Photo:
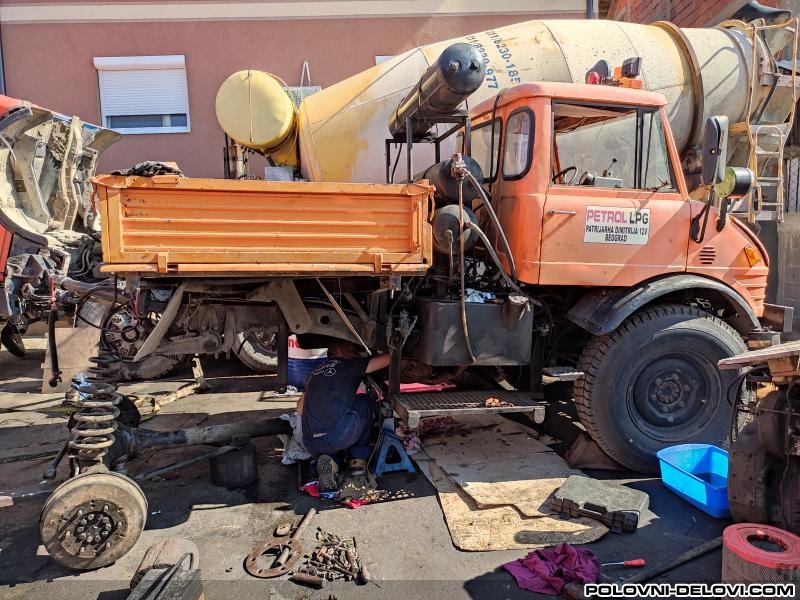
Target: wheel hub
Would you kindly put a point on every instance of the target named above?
(92, 528)
(670, 399)
(126, 333)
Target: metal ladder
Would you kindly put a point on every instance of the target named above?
(766, 141)
(765, 206)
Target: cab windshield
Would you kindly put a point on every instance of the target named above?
(610, 146)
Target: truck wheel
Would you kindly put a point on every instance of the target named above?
(653, 383)
(256, 354)
(790, 501)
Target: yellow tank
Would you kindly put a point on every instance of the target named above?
(254, 109)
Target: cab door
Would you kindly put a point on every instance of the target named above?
(517, 190)
(597, 235)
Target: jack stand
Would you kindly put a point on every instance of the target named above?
(386, 442)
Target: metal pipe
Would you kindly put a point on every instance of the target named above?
(103, 291)
(283, 354)
(461, 258)
(2, 67)
(340, 311)
(142, 439)
(184, 463)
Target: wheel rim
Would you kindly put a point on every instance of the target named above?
(673, 397)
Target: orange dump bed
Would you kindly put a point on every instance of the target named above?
(169, 224)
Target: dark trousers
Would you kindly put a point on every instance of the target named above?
(352, 431)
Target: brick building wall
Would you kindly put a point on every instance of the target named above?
(686, 13)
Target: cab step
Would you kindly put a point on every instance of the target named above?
(414, 406)
(554, 374)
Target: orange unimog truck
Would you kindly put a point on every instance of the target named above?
(561, 244)
(585, 265)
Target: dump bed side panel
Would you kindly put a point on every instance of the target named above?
(172, 224)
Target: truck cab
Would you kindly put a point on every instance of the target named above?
(588, 186)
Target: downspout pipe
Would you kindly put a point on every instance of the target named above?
(2, 64)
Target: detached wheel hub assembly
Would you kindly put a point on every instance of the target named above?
(92, 520)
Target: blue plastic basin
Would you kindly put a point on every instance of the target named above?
(300, 370)
(698, 473)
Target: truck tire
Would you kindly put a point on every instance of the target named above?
(754, 479)
(653, 383)
(790, 492)
(255, 355)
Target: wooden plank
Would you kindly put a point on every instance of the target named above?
(762, 355)
(502, 528)
(75, 346)
(499, 463)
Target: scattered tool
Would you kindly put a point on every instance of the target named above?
(289, 552)
(308, 579)
(335, 558)
(575, 591)
(628, 564)
(675, 562)
(183, 463)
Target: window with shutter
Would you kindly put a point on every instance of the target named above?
(143, 94)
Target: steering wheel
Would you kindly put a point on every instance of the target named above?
(563, 172)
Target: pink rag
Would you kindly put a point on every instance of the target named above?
(547, 571)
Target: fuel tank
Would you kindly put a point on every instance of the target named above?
(701, 72)
(255, 111)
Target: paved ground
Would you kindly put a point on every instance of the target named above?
(405, 542)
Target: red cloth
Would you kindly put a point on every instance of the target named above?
(312, 490)
(547, 571)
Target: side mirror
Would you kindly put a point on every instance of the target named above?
(715, 150)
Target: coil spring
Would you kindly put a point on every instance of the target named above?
(96, 418)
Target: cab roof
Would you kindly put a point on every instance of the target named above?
(573, 91)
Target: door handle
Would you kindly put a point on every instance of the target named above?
(554, 211)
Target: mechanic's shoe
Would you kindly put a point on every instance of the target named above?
(327, 469)
(357, 467)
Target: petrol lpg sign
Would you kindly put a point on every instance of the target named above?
(615, 225)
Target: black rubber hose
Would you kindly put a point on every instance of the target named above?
(55, 379)
(511, 263)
